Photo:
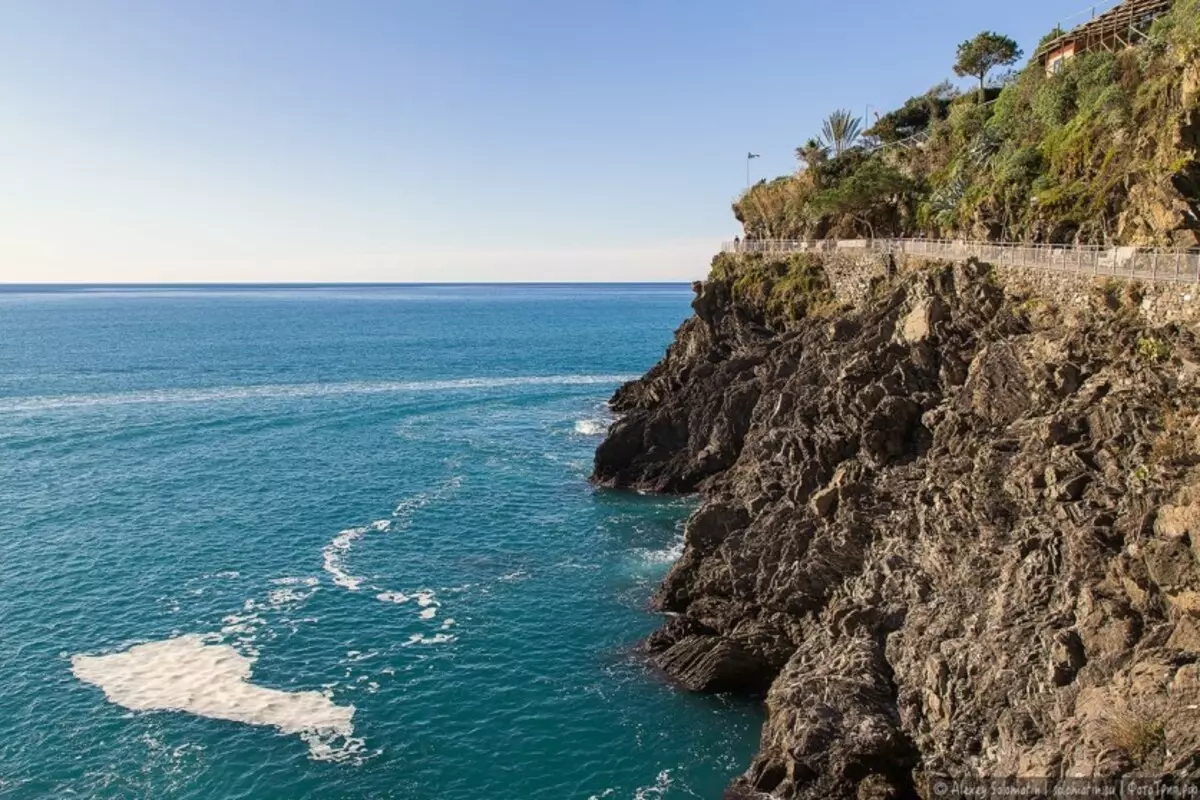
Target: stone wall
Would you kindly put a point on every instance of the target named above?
(1160, 303)
(852, 274)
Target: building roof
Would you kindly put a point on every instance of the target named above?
(1116, 23)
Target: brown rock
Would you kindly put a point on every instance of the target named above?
(934, 533)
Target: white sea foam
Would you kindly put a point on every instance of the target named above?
(270, 391)
(667, 555)
(234, 624)
(308, 581)
(334, 554)
(437, 638)
(448, 624)
(288, 596)
(591, 427)
(659, 788)
(189, 673)
(429, 613)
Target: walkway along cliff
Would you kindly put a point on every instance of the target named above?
(950, 519)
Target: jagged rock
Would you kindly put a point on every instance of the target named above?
(952, 538)
(712, 664)
(918, 325)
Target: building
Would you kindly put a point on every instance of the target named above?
(1124, 25)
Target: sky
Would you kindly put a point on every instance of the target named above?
(431, 140)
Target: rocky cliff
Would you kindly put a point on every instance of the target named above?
(952, 532)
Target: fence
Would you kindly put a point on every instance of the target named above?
(1168, 265)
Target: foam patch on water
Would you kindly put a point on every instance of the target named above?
(334, 554)
(290, 581)
(287, 596)
(300, 390)
(429, 613)
(591, 427)
(399, 598)
(659, 788)
(190, 674)
(437, 638)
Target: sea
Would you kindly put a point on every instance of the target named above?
(336, 542)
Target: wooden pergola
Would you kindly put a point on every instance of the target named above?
(1122, 26)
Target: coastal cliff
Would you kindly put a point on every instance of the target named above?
(950, 530)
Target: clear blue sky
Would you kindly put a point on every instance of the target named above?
(447, 140)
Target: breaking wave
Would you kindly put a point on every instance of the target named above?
(592, 427)
(667, 555)
(271, 391)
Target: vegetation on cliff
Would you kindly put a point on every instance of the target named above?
(1104, 151)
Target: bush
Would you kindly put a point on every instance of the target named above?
(1152, 349)
(1137, 733)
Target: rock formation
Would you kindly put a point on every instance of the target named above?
(950, 533)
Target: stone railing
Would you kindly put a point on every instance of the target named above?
(1169, 265)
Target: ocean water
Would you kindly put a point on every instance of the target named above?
(335, 542)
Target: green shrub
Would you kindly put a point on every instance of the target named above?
(1153, 349)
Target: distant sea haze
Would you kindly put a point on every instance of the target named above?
(325, 541)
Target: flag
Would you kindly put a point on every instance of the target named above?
(751, 155)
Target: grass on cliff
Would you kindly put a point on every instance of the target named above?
(1138, 733)
(781, 289)
(1102, 152)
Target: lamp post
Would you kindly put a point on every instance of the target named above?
(749, 156)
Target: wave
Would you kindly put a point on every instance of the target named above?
(190, 674)
(658, 789)
(592, 427)
(667, 555)
(294, 390)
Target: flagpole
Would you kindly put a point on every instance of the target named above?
(749, 156)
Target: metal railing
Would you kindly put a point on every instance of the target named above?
(1168, 265)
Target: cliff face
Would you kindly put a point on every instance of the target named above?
(954, 532)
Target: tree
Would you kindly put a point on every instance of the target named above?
(840, 130)
(812, 153)
(865, 194)
(979, 56)
(915, 116)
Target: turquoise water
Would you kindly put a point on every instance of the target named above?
(369, 498)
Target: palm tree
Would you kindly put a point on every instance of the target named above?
(840, 131)
(812, 153)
